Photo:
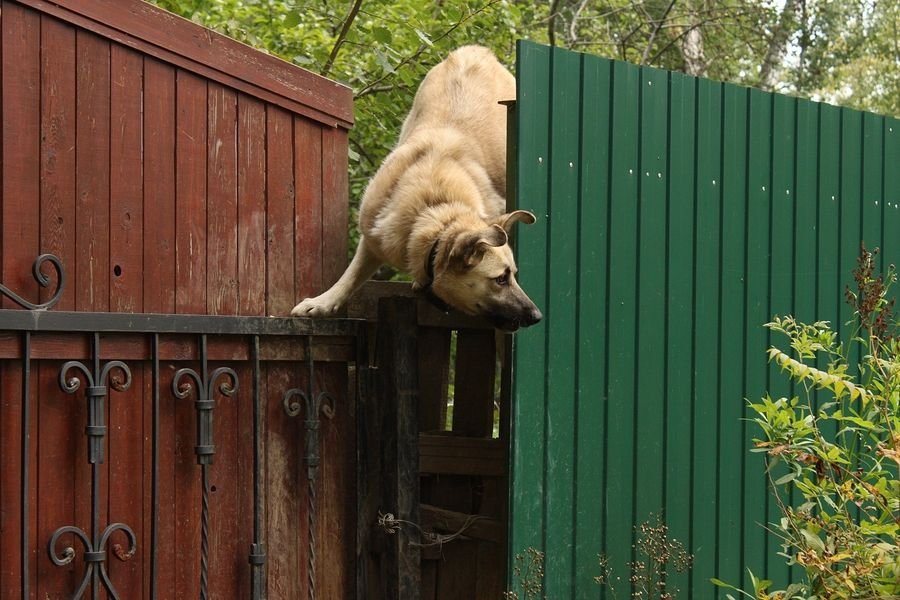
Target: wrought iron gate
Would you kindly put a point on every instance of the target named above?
(204, 360)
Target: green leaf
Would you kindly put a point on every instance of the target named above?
(424, 37)
(786, 478)
(382, 35)
(813, 540)
(292, 19)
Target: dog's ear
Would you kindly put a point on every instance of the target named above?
(509, 219)
(469, 249)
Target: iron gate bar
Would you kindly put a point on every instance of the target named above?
(204, 403)
(314, 403)
(94, 546)
(26, 445)
(102, 375)
(80, 322)
(154, 477)
(257, 548)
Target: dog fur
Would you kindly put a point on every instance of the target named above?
(435, 208)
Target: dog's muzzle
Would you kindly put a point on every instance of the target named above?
(511, 324)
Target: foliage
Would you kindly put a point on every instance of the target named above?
(840, 444)
(656, 553)
(836, 51)
(529, 571)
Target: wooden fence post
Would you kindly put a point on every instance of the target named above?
(392, 455)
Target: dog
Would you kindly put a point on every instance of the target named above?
(435, 207)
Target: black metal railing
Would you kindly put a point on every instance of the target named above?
(92, 382)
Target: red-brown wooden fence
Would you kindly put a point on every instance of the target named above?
(173, 171)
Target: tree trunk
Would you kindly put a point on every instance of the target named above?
(768, 73)
(693, 53)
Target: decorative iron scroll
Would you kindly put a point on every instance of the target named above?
(204, 385)
(43, 280)
(94, 545)
(314, 403)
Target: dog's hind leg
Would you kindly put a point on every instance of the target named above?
(327, 304)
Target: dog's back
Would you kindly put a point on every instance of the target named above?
(463, 93)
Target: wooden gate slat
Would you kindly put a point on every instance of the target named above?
(159, 187)
(280, 238)
(21, 154)
(251, 242)
(308, 212)
(126, 190)
(57, 223)
(221, 241)
(92, 174)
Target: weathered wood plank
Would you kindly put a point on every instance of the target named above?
(452, 522)
(126, 243)
(285, 492)
(92, 174)
(308, 216)
(251, 203)
(434, 364)
(222, 212)
(337, 488)
(439, 454)
(19, 213)
(58, 436)
(57, 175)
(159, 187)
(335, 204)
(398, 394)
(364, 305)
(190, 194)
(473, 400)
(280, 238)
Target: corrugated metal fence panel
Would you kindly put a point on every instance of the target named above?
(676, 216)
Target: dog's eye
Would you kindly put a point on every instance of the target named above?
(502, 280)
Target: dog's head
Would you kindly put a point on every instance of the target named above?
(477, 275)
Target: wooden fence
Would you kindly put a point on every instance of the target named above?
(172, 171)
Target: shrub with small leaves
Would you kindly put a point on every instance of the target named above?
(838, 445)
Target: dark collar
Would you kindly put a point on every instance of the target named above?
(426, 289)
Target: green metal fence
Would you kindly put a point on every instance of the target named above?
(676, 216)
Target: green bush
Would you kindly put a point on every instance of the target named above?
(838, 445)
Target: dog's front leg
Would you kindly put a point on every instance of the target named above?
(327, 304)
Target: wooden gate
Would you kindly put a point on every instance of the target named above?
(174, 172)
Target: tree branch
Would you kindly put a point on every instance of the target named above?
(659, 24)
(345, 29)
(367, 89)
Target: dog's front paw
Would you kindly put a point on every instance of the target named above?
(320, 306)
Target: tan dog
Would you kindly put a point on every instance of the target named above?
(435, 206)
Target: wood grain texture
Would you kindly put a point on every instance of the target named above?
(222, 213)
(308, 218)
(92, 173)
(159, 175)
(251, 203)
(126, 196)
(280, 236)
(213, 56)
(57, 178)
(21, 154)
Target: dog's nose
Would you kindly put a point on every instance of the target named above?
(533, 316)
